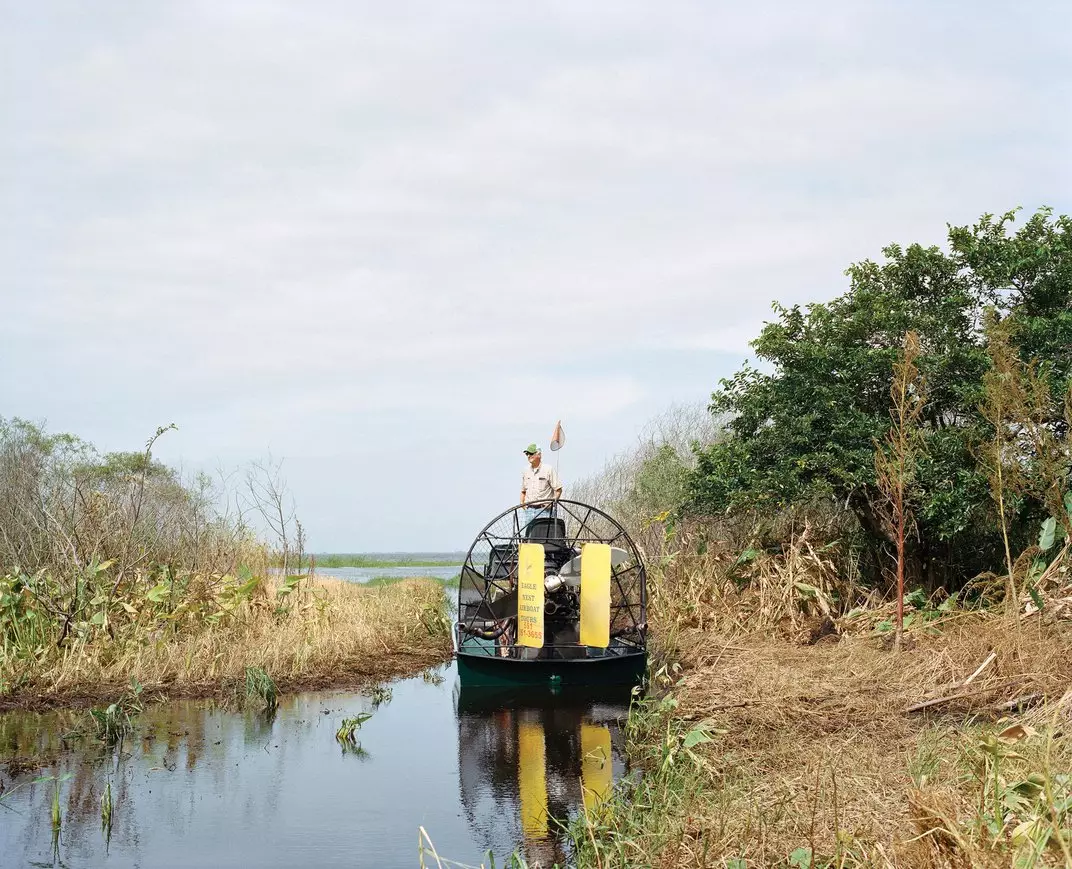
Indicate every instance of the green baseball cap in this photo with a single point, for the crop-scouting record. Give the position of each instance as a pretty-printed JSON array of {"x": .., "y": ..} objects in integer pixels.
[{"x": 532, "y": 448}]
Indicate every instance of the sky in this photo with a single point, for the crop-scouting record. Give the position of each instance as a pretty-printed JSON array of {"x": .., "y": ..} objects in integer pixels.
[{"x": 390, "y": 244}]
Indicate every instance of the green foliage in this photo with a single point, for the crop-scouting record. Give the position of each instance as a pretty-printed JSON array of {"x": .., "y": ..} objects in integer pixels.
[
  {"x": 802, "y": 428},
  {"x": 346, "y": 559},
  {"x": 380, "y": 694},
  {"x": 116, "y": 720},
  {"x": 261, "y": 688},
  {"x": 350, "y": 727},
  {"x": 106, "y": 810}
]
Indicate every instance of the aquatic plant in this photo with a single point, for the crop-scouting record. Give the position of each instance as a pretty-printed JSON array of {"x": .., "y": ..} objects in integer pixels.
[
  {"x": 426, "y": 846},
  {"x": 380, "y": 694},
  {"x": 117, "y": 719},
  {"x": 347, "y": 732},
  {"x": 106, "y": 810},
  {"x": 261, "y": 688}
]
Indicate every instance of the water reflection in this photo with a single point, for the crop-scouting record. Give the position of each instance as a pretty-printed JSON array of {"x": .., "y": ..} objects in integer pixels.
[
  {"x": 529, "y": 760},
  {"x": 202, "y": 785}
]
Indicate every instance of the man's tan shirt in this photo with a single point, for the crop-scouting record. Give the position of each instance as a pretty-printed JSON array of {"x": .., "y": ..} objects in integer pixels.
[{"x": 540, "y": 484}]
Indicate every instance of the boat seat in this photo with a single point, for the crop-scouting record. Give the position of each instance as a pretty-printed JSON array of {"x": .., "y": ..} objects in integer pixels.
[{"x": 551, "y": 532}]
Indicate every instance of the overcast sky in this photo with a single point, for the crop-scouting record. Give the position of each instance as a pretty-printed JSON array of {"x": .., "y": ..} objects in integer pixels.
[{"x": 392, "y": 243}]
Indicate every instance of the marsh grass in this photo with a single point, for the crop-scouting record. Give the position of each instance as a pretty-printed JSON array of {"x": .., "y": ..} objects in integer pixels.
[
  {"x": 333, "y": 631},
  {"x": 116, "y": 720},
  {"x": 343, "y": 559},
  {"x": 260, "y": 688},
  {"x": 428, "y": 856},
  {"x": 808, "y": 757},
  {"x": 381, "y": 581},
  {"x": 807, "y": 753}
]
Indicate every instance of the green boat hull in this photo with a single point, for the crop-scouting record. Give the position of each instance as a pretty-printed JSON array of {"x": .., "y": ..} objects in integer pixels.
[{"x": 495, "y": 672}]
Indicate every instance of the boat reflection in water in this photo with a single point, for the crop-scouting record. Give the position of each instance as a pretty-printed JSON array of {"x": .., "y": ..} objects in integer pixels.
[{"x": 549, "y": 754}]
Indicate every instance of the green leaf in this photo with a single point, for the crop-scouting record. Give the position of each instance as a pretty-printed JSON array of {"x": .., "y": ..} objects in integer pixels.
[
  {"x": 1036, "y": 598},
  {"x": 749, "y": 554},
  {"x": 1049, "y": 529},
  {"x": 159, "y": 592},
  {"x": 98, "y": 618},
  {"x": 801, "y": 857},
  {"x": 917, "y": 597},
  {"x": 1068, "y": 505},
  {"x": 884, "y": 626},
  {"x": 696, "y": 736}
]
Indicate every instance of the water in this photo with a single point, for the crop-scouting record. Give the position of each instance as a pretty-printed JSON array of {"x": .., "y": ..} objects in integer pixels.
[{"x": 199, "y": 785}]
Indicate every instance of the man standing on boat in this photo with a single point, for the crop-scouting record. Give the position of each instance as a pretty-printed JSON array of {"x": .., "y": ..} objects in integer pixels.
[{"x": 539, "y": 485}]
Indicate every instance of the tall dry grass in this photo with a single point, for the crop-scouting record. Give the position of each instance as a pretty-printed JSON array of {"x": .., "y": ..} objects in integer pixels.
[
  {"x": 331, "y": 631},
  {"x": 783, "y": 730}
]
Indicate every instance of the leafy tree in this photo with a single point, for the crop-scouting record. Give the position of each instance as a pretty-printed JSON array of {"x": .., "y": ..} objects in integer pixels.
[{"x": 802, "y": 429}]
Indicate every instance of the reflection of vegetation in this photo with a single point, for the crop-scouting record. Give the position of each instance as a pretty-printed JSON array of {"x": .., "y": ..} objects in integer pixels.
[
  {"x": 432, "y": 677},
  {"x": 106, "y": 811}
]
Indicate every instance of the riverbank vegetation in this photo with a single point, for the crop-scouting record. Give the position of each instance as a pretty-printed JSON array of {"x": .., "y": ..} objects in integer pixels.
[
  {"x": 861, "y": 588},
  {"x": 343, "y": 559},
  {"x": 114, "y": 568}
]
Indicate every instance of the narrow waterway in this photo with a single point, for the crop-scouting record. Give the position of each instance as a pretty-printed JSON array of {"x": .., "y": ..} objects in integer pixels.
[{"x": 200, "y": 785}]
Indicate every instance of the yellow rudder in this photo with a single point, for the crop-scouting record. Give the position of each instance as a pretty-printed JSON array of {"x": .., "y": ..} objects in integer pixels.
[
  {"x": 595, "y": 595},
  {"x": 530, "y": 595}
]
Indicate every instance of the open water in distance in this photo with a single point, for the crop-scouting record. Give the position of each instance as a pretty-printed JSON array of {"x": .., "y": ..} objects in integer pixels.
[{"x": 199, "y": 785}]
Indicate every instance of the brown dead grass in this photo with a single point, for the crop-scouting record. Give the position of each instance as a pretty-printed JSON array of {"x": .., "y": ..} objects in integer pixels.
[
  {"x": 336, "y": 633},
  {"x": 815, "y": 747}
]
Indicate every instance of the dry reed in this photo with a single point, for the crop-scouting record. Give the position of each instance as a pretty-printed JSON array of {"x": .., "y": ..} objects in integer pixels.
[
  {"x": 334, "y": 631},
  {"x": 825, "y": 743}
]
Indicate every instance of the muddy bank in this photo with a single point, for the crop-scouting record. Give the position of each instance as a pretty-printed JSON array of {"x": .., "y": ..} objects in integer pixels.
[{"x": 355, "y": 675}]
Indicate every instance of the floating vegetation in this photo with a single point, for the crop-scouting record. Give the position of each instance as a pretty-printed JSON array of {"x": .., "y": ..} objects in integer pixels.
[
  {"x": 432, "y": 677},
  {"x": 380, "y": 694}
]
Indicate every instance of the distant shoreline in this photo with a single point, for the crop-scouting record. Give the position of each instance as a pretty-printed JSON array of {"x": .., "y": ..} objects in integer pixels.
[{"x": 388, "y": 559}]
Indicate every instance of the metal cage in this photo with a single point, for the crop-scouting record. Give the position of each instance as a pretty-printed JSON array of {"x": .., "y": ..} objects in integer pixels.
[{"x": 486, "y": 627}]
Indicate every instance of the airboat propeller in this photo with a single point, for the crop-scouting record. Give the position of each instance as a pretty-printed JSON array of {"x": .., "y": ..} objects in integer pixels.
[{"x": 560, "y": 599}]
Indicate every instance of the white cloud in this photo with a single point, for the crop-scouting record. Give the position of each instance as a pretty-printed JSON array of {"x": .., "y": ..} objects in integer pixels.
[{"x": 255, "y": 212}]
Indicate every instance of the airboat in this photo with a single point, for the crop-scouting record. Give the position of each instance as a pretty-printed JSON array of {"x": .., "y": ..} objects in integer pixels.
[{"x": 554, "y": 596}]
